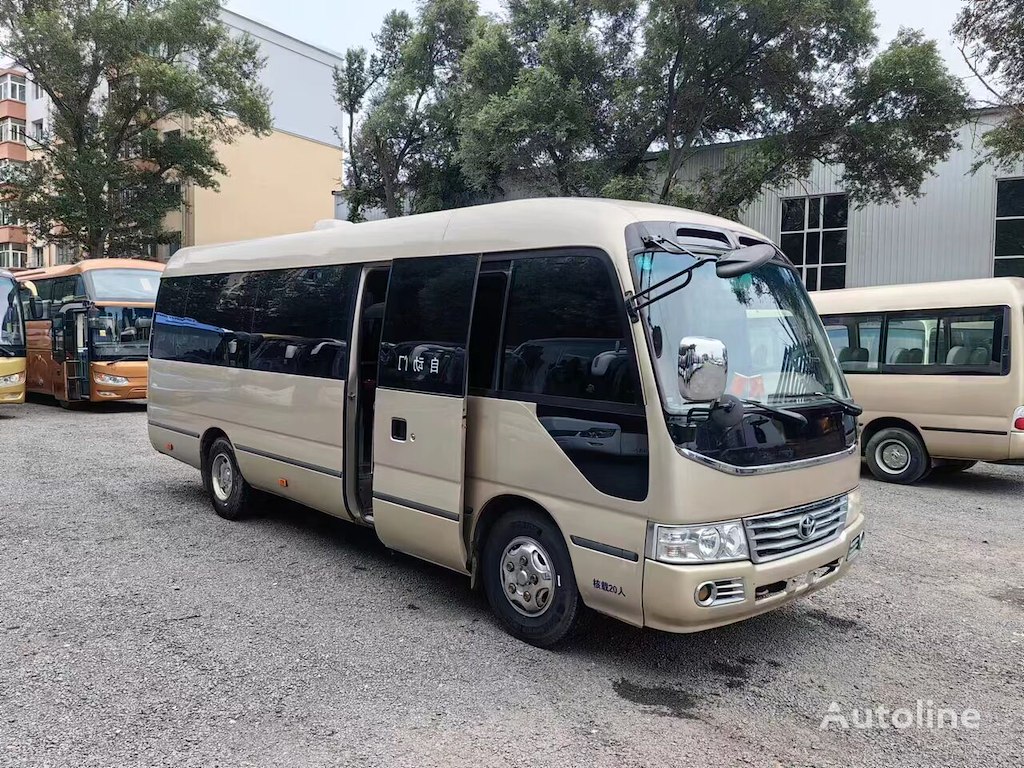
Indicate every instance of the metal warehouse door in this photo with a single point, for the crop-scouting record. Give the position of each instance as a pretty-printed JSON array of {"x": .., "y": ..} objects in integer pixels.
[{"x": 419, "y": 433}]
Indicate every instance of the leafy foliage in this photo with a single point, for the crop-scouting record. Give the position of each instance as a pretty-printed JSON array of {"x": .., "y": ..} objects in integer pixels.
[
  {"x": 120, "y": 75},
  {"x": 990, "y": 34},
  {"x": 616, "y": 97}
]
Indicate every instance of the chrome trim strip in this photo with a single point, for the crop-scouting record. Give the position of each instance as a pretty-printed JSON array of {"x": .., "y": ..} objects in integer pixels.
[
  {"x": 417, "y": 506},
  {"x": 293, "y": 462},
  {"x": 174, "y": 429},
  {"x": 605, "y": 549},
  {"x": 765, "y": 469}
]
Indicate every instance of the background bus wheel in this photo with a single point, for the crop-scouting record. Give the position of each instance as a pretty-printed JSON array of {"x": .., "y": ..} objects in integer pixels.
[
  {"x": 951, "y": 466},
  {"x": 229, "y": 493},
  {"x": 895, "y": 455},
  {"x": 529, "y": 580}
]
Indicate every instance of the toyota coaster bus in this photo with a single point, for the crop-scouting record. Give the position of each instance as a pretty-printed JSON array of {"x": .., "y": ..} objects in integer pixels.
[
  {"x": 628, "y": 407},
  {"x": 12, "y": 342},
  {"x": 88, "y": 329},
  {"x": 939, "y": 370}
]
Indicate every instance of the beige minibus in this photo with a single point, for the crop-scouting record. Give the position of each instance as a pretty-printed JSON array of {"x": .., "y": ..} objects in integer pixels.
[
  {"x": 938, "y": 369},
  {"x": 578, "y": 403}
]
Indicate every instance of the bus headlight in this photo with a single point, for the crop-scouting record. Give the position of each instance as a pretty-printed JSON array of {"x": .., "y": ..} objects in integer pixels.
[
  {"x": 113, "y": 381},
  {"x": 710, "y": 543},
  {"x": 12, "y": 379}
]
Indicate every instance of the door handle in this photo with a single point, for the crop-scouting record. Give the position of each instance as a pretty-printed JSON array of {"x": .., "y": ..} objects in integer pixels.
[{"x": 399, "y": 430}]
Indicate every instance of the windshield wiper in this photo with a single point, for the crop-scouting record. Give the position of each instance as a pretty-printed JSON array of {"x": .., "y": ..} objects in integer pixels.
[
  {"x": 851, "y": 408},
  {"x": 796, "y": 418}
]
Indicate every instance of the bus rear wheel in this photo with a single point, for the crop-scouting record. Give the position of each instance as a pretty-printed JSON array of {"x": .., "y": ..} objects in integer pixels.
[
  {"x": 229, "y": 493},
  {"x": 896, "y": 455},
  {"x": 529, "y": 581}
]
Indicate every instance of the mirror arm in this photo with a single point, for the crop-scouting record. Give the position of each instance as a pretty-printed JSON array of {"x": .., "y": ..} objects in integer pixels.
[{"x": 641, "y": 299}]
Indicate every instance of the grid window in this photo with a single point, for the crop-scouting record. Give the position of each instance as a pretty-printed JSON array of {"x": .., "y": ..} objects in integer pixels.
[
  {"x": 1009, "y": 250},
  {"x": 814, "y": 238},
  {"x": 12, "y": 130}
]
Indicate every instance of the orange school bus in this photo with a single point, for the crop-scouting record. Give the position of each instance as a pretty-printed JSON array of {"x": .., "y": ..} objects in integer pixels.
[{"x": 88, "y": 327}]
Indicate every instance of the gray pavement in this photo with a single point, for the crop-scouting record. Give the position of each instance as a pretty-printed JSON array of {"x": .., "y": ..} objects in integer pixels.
[{"x": 139, "y": 629}]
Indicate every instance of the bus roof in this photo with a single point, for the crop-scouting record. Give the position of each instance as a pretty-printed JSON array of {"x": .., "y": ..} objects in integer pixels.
[
  {"x": 87, "y": 265},
  {"x": 509, "y": 226},
  {"x": 943, "y": 295}
]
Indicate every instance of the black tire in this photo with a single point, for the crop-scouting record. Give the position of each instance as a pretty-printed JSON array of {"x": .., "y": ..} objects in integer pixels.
[
  {"x": 952, "y": 466},
  {"x": 555, "y": 622},
  {"x": 896, "y": 455},
  {"x": 231, "y": 502}
]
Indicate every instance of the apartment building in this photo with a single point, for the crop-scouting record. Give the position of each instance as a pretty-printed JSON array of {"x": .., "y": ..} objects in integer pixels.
[{"x": 275, "y": 184}]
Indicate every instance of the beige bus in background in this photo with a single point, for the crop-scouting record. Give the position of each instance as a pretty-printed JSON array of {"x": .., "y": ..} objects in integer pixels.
[
  {"x": 938, "y": 369},
  {"x": 577, "y": 403}
]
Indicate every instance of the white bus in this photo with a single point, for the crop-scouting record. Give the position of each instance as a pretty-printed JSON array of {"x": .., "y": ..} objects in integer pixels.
[{"x": 628, "y": 407}]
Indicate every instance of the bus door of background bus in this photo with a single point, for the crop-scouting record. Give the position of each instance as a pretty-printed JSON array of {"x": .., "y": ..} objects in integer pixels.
[
  {"x": 419, "y": 425},
  {"x": 70, "y": 339}
]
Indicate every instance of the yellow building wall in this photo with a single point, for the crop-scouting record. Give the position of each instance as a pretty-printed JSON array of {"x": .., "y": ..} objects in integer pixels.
[{"x": 275, "y": 185}]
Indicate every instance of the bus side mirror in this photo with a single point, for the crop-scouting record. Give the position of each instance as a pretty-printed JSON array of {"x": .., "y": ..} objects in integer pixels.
[{"x": 703, "y": 369}]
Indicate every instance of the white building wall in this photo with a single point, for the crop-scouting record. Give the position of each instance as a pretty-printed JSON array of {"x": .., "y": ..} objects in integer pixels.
[
  {"x": 300, "y": 78},
  {"x": 946, "y": 234}
]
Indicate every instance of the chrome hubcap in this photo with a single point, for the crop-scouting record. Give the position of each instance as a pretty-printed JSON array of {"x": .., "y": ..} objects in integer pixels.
[
  {"x": 222, "y": 477},
  {"x": 892, "y": 456},
  {"x": 527, "y": 576}
]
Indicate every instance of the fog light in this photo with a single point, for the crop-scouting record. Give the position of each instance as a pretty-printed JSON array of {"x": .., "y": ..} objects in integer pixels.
[{"x": 706, "y": 593}]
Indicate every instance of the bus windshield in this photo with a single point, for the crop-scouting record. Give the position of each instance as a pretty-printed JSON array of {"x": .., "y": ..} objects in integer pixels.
[
  {"x": 777, "y": 350},
  {"x": 119, "y": 333},
  {"x": 12, "y": 330},
  {"x": 129, "y": 285}
]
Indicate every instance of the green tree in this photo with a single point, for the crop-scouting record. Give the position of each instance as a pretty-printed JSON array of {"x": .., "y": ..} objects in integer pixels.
[
  {"x": 990, "y": 34},
  {"x": 406, "y": 136},
  {"x": 353, "y": 83},
  {"x": 617, "y": 96},
  {"x": 118, "y": 74}
]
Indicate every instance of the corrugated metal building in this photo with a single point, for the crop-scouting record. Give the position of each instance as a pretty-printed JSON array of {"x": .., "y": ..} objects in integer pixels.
[{"x": 965, "y": 225}]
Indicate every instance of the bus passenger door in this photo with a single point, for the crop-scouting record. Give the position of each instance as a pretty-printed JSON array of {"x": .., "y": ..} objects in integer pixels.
[
  {"x": 419, "y": 426},
  {"x": 71, "y": 353}
]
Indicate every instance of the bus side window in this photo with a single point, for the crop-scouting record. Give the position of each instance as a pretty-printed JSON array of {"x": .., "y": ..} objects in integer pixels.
[{"x": 566, "y": 347}]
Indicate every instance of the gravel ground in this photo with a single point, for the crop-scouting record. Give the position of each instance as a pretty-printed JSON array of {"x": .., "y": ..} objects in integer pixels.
[{"x": 137, "y": 628}]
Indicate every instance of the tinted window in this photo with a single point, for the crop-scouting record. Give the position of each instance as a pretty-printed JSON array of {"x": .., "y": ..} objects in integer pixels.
[
  {"x": 426, "y": 324},
  {"x": 67, "y": 289},
  {"x": 172, "y": 296},
  {"x": 565, "y": 332},
  {"x": 302, "y": 320},
  {"x": 205, "y": 319}
]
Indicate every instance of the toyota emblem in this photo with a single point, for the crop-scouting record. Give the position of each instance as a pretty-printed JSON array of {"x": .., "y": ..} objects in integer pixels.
[{"x": 807, "y": 526}]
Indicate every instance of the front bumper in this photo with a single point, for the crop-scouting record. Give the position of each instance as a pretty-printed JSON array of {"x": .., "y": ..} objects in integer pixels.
[{"x": 670, "y": 602}]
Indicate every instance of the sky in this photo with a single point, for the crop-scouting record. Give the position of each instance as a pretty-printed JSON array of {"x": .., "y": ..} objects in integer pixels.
[{"x": 340, "y": 24}]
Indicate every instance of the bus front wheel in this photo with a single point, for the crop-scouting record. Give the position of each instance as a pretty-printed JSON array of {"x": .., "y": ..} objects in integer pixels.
[
  {"x": 896, "y": 455},
  {"x": 528, "y": 579},
  {"x": 229, "y": 493}
]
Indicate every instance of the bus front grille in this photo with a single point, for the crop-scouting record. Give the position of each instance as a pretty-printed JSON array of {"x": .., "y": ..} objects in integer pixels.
[{"x": 789, "y": 531}]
